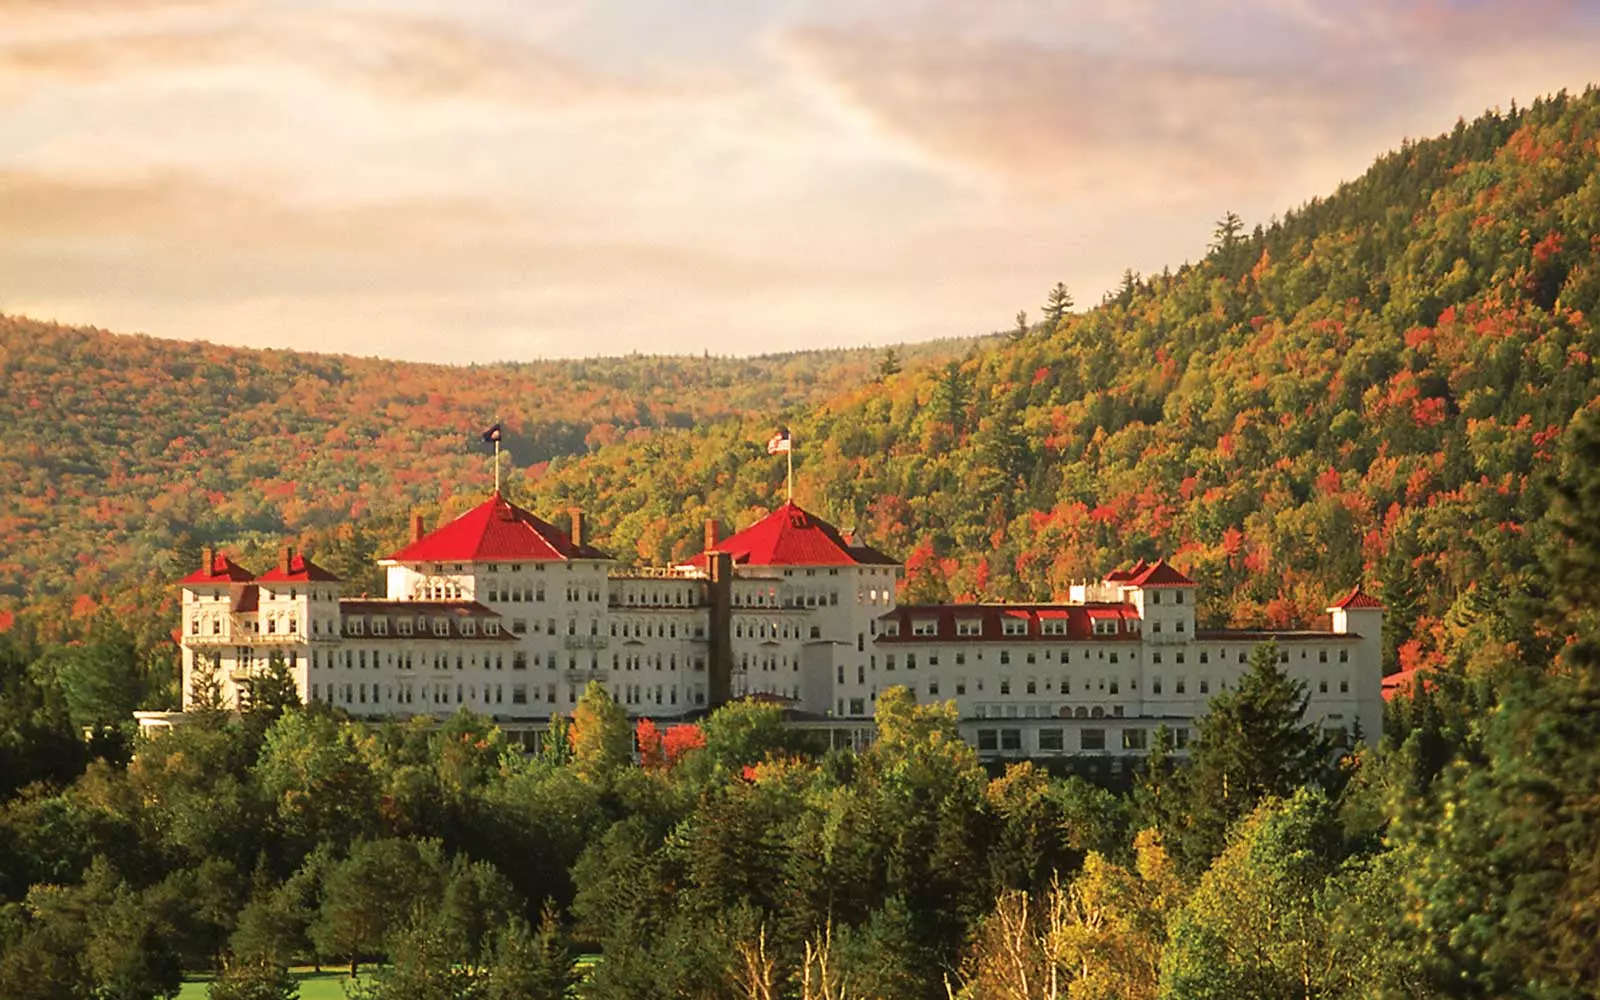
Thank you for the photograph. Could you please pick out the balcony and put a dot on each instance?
(586, 642)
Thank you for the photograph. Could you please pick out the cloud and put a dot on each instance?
(1232, 92)
(389, 56)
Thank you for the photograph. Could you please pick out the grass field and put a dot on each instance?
(325, 985)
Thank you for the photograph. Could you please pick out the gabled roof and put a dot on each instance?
(1160, 574)
(1124, 575)
(221, 570)
(1357, 600)
(299, 570)
(792, 536)
(249, 600)
(496, 529)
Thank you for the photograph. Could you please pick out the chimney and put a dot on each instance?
(208, 559)
(576, 514)
(285, 557)
(713, 530)
(417, 529)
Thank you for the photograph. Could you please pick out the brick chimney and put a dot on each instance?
(418, 529)
(285, 557)
(713, 534)
(576, 516)
(208, 559)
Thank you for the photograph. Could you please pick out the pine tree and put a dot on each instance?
(1252, 742)
(1058, 304)
(1021, 330)
(889, 365)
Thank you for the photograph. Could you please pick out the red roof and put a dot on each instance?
(791, 536)
(1161, 574)
(221, 570)
(1079, 618)
(300, 570)
(1124, 575)
(1357, 600)
(1406, 682)
(500, 530)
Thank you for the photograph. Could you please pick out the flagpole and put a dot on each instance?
(789, 483)
(497, 465)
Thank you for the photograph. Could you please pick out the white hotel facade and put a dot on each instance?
(505, 614)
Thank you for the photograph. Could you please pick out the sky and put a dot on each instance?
(482, 180)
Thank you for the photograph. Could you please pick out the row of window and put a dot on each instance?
(1090, 740)
(363, 693)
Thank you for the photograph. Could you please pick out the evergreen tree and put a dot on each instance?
(1253, 742)
(259, 979)
(1020, 331)
(889, 364)
(532, 964)
(1057, 305)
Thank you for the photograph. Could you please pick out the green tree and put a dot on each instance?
(1253, 742)
(316, 779)
(601, 738)
(1057, 304)
(532, 964)
(365, 895)
(889, 364)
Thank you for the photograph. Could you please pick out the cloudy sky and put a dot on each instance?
(472, 180)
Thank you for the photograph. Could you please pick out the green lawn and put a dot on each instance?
(325, 985)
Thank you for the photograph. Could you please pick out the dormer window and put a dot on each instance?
(380, 626)
(491, 627)
(1054, 626)
(441, 626)
(468, 627)
(1014, 626)
(925, 626)
(402, 626)
(969, 626)
(891, 628)
(354, 626)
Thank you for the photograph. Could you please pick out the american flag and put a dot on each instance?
(779, 442)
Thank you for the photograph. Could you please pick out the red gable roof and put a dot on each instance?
(1161, 574)
(1124, 575)
(300, 570)
(1357, 600)
(496, 529)
(791, 536)
(221, 570)
(1406, 683)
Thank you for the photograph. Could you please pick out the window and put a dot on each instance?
(1033, 686)
(1050, 740)
(1155, 685)
(1180, 738)
(1011, 739)
(988, 739)
(1322, 656)
(519, 660)
(1178, 596)
(519, 626)
(1322, 686)
(1133, 739)
(1092, 739)
(858, 706)
(1344, 685)
(933, 687)
(1005, 656)
(519, 694)
(969, 626)
(1005, 685)
(1014, 626)
(1180, 685)
(1205, 685)
(889, 661)
(924, 626)
(1155, 597)
(891, 628)
(1344, 656)
(961, 686)
(1053, 626)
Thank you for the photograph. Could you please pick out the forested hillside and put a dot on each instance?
(119, 453)
(1365, 390)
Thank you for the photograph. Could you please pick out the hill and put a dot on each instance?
(1367, 390)
(120, 455)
